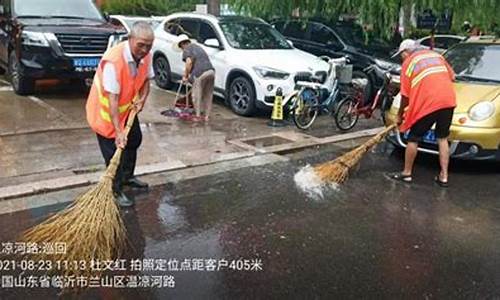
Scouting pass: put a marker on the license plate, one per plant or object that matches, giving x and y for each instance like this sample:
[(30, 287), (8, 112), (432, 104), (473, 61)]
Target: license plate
[(86, 62), (429, 137)]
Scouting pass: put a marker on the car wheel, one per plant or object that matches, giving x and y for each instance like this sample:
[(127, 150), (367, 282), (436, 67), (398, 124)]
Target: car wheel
[(242, 96), (21, 84), (163, 75), (367, 94)]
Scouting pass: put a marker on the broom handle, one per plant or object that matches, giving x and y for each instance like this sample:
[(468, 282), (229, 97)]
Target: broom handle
[(115, 161), (366, 146), (378, 137)]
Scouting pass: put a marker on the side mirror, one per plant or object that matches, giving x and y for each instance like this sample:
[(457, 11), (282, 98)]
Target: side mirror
[(290, 42), (213, 43)]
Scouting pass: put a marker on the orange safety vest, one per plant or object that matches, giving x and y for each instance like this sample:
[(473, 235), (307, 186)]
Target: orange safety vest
[(427, 80), (98, 114)]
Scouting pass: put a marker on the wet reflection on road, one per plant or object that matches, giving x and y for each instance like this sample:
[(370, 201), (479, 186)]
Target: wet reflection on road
[(371, 238)]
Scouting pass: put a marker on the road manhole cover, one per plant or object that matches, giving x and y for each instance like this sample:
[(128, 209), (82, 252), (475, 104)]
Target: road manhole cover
[(267, 141)]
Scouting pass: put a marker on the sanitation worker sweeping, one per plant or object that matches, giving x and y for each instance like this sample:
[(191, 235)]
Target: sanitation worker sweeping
[(428, 98), (91, 227)]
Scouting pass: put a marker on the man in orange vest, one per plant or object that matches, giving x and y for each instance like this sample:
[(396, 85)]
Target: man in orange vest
[(427, 98), (121, 83)]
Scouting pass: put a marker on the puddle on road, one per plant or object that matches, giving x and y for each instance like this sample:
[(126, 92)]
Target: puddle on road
[(369, 238)]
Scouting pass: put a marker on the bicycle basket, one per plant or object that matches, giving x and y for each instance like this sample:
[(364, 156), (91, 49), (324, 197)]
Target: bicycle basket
[(344, 73)]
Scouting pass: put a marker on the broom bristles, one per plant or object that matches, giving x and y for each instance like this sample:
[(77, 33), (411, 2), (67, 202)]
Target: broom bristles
[(91, 228), (337, 171)]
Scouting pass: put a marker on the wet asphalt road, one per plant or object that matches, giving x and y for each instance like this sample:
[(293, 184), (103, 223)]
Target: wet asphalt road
[(371, 239)]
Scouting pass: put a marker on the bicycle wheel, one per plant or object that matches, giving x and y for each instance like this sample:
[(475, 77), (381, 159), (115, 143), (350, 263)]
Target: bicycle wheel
[(346, 115), (305, 108)]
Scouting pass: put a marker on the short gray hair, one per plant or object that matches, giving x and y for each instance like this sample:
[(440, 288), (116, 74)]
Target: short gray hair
[(141, 29)]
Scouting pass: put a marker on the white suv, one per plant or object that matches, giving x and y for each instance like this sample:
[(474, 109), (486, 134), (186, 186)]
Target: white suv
[(251, 59)]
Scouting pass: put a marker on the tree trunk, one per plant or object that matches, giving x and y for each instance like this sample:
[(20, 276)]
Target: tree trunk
[(213, 7), (407, 14)]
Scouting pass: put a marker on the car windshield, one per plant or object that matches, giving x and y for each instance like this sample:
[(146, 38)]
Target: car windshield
[(252, 35), (475, 62), (77, 9)]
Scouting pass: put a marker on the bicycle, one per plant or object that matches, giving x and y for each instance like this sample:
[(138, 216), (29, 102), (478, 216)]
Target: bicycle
[(319, 95), (349, 109)]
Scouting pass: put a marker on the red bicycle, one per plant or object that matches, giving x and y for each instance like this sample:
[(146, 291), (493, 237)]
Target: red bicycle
[(349, 109)]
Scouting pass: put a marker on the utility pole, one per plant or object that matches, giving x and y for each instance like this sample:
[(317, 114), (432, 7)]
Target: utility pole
[(213, 7)]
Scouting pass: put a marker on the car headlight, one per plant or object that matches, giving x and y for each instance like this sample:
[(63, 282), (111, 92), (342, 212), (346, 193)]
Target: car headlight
[(481, 111), (267, 73), (386, 65), (115, 39), (33, 38)]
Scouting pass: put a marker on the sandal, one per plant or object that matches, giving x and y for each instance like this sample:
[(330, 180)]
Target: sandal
[(443, 184), (398, 176)]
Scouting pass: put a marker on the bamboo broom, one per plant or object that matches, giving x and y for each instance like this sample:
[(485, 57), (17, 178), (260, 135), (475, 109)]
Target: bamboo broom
[(91, 227), (337, 171)]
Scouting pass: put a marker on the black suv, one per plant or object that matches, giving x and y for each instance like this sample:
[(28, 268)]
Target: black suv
[(52, 39), (337, 39)]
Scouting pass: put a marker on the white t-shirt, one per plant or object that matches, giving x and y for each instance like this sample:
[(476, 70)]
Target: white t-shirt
[(109, 79)]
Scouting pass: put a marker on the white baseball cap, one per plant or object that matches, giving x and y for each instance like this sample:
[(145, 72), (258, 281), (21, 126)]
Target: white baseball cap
[(407, 44), (181, 38)]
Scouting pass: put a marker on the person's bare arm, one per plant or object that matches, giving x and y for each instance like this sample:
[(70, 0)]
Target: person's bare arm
[(188, 68), (404, 103), (121, 138)]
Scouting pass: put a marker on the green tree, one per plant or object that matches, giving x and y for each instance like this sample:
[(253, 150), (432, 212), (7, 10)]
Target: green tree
[(148, 7), (382, 14), (213, 7)]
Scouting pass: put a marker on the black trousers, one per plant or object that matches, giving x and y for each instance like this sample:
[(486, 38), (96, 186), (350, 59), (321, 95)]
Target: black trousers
[(129, 157), (442, 118)]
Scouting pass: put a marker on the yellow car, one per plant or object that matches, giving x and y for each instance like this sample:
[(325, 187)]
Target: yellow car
[(475, 129)]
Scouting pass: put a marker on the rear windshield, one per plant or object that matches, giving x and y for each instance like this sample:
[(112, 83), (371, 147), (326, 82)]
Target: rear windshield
[(79, 9)]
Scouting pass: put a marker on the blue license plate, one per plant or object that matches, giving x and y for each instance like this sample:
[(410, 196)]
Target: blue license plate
[(86, 62), (429, 137)]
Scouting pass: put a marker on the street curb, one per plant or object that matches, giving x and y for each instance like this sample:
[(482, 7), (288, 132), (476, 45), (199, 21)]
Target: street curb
[(56, 184), (65, 196), (305, 141)]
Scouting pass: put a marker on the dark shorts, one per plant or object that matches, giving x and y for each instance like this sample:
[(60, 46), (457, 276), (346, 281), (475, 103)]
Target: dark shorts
[(442, 118)]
